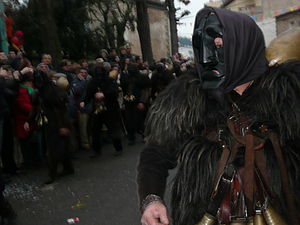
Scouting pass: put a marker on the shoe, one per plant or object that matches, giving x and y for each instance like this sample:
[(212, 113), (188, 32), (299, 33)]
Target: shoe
[(118, 153)]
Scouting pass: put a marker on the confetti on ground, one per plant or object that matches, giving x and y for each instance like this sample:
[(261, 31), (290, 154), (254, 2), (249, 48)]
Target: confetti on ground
[(22, 191), (78, 205)]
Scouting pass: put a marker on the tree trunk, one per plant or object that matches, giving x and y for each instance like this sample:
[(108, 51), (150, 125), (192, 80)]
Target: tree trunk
[(49, 33), (120, 34), (143, 28), (173, 26)]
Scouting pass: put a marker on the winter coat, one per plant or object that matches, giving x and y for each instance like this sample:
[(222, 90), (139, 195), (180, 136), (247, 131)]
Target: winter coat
[(23, 110)]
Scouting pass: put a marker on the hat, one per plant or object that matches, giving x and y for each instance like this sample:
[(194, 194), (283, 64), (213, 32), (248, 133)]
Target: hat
[(103, 50), (99, 60), (19, 33), (113, 74), (62, 82)]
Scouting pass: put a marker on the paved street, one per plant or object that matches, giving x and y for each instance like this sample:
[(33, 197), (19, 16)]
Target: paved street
[(102, 192)]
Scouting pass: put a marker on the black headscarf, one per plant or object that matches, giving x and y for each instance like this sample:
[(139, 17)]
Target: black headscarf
[(244, 47)]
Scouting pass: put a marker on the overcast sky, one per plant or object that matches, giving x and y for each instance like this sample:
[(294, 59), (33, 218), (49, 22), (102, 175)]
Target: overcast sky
[(186, 29)]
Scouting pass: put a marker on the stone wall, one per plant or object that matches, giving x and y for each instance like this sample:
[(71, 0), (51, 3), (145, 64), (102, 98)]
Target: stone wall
[(268, 27), (273, 5), (160, 34), (248, 7)]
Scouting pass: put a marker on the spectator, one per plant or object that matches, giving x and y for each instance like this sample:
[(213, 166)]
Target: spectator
[(103, 54), (24, 129), (79, 88), (66, 68), (17, 41), (53, 91), (104, 92), (113, 58), (47, 59), (8, 93), (136, 94), (84, 64)]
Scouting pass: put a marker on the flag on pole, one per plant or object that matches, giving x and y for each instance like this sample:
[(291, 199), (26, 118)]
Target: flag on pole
[(4, 42)]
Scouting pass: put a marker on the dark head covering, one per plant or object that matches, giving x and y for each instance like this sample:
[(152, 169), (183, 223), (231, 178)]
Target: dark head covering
[(243, 44)]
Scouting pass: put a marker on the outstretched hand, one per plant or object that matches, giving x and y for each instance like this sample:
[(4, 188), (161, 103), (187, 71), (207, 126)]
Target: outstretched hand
[(155, 214)]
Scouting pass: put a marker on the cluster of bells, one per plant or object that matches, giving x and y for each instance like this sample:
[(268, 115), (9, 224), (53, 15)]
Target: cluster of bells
[(129, 98), (267, 216)]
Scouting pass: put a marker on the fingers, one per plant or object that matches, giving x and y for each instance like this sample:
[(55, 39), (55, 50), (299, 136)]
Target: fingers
[(164, 219), (152, 221), (26, 127), (155, 214)]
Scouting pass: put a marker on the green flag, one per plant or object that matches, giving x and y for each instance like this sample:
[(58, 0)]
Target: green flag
[(4, 43)]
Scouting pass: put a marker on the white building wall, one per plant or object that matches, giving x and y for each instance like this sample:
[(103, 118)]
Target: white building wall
[(268, 27)]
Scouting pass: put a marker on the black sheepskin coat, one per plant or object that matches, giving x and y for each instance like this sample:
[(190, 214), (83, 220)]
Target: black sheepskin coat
[(175, 138)]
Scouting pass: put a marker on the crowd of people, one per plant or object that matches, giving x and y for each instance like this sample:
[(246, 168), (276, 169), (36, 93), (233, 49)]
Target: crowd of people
[(50, 113)]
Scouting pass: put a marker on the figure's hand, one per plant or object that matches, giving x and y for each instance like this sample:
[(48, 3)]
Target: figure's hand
[(155, 214), (26, 127), (141, 106), (64, 131), (16, 75), (99, 95), (26, 70), (81, 104)]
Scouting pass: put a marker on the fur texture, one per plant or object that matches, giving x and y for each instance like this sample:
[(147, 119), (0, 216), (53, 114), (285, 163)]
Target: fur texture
[(276, 98), (193, 183), (181, 111)]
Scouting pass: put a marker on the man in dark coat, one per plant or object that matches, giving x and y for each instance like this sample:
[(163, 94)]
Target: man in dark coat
[(103, 90), (136, 90), (53, 92), (8, 94)]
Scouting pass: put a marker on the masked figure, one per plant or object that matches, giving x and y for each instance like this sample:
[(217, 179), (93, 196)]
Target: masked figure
[(231, 130)]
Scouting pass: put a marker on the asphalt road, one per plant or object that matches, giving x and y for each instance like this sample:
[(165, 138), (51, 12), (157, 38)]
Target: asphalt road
[(102, 192)]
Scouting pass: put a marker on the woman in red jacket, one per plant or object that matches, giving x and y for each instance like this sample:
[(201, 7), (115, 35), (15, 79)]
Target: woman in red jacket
[(23, 112)]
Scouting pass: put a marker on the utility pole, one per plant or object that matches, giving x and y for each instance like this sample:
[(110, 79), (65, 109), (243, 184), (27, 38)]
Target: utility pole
[(143, 28), (4, 42)]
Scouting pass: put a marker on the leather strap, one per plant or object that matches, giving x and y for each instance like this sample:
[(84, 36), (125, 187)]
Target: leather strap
[(248, 178), (221, 190)]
